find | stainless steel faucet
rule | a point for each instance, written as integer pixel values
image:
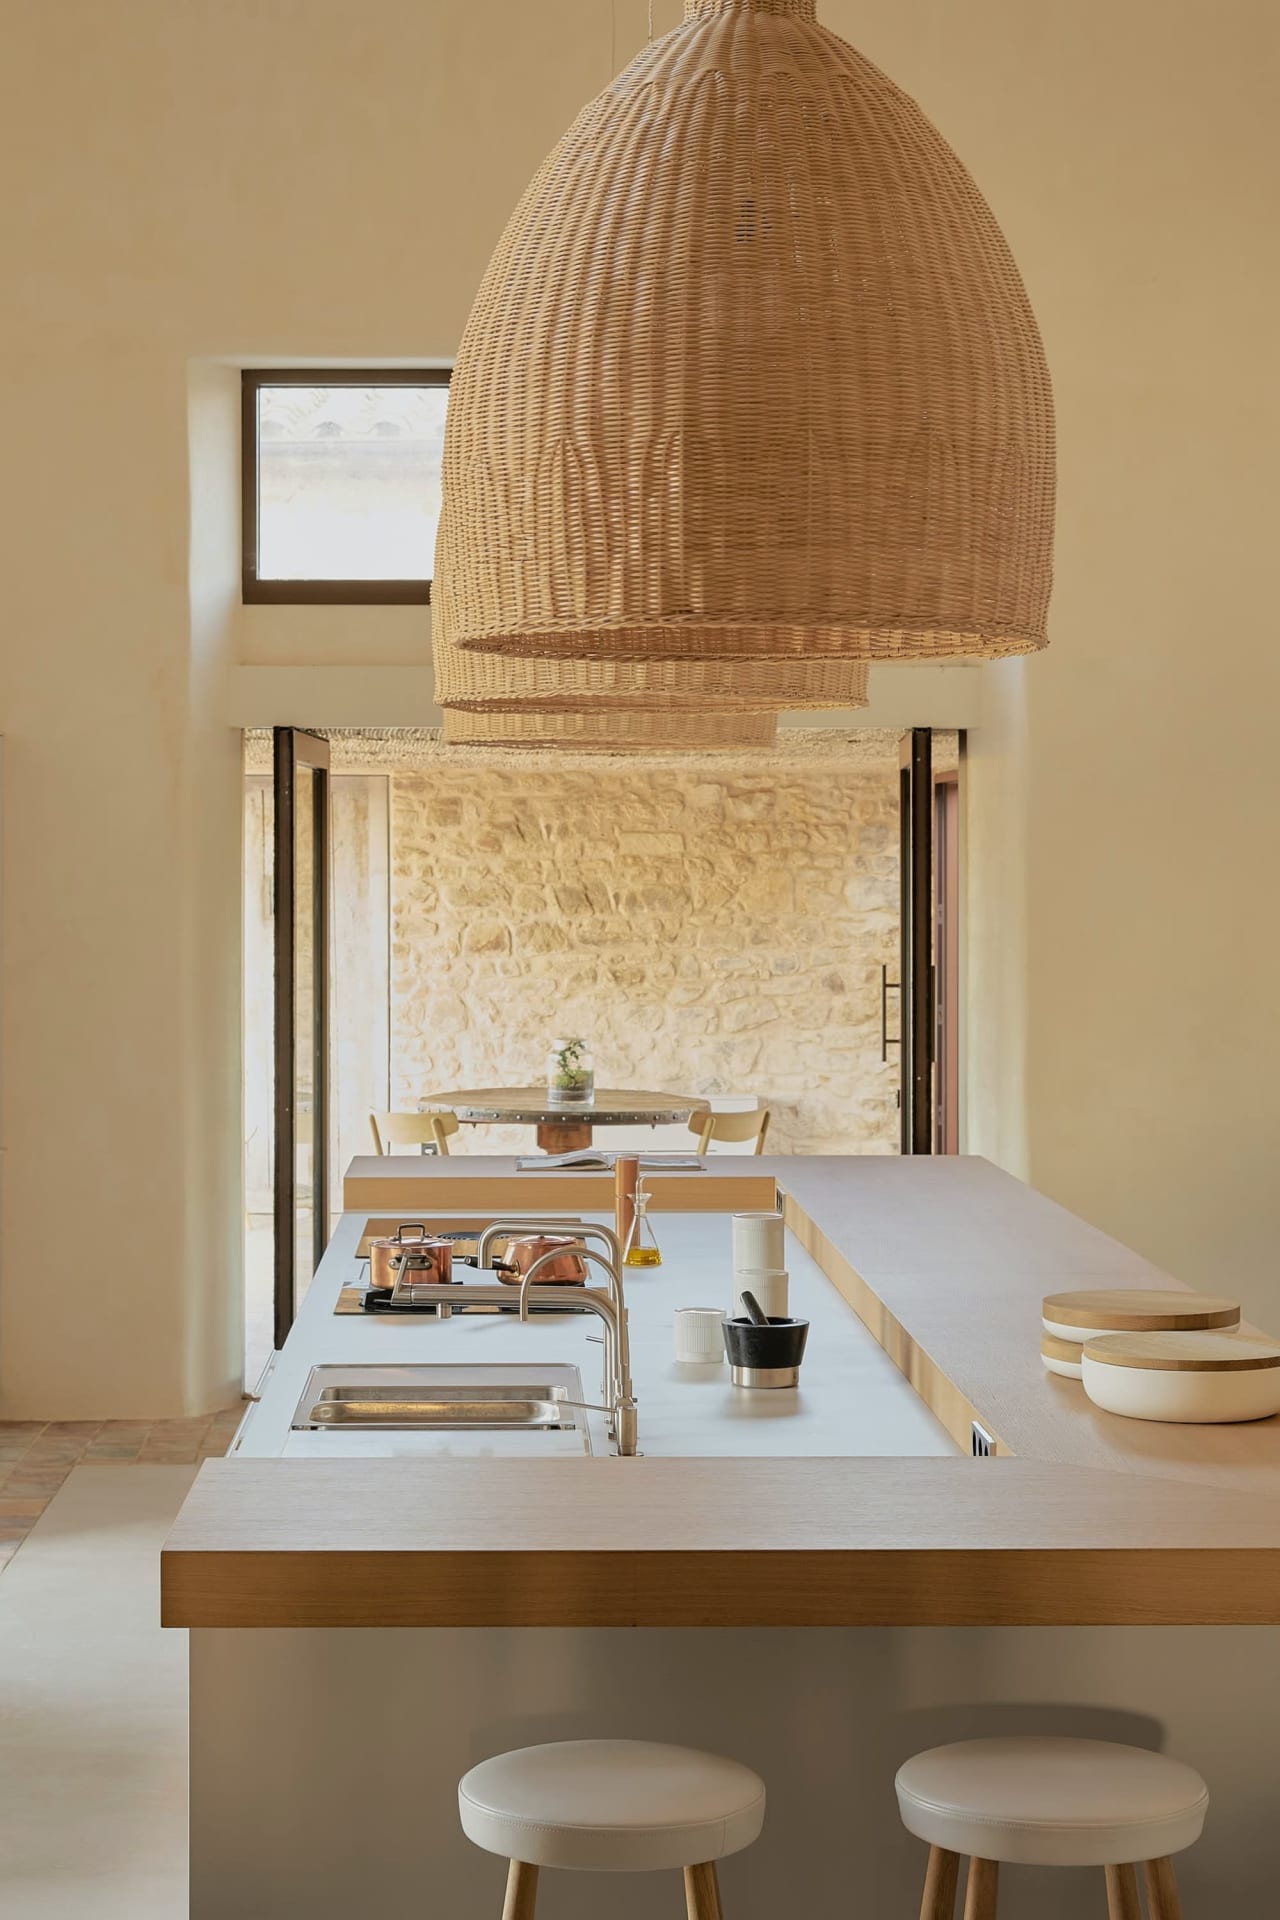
(577, 1230)
(607, 1304)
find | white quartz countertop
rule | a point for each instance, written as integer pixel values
(851, 1400)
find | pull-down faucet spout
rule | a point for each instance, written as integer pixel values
(607, 1303)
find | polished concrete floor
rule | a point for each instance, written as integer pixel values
(93, 1707)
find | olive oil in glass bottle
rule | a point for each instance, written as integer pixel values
(641, 1249)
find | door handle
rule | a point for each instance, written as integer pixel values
(887, 986)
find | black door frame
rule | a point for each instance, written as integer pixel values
(294, 749)
(916, 977)
(946, 961)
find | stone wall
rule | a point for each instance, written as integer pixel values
(708, 928)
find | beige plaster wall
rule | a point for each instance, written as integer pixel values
(262, 180)
(1123, 914)
(186, 183)
(708, 930)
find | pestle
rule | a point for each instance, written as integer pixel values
(755, 1312)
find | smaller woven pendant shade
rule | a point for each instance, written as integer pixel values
(611, 732)
(505, 683)
(751, 375)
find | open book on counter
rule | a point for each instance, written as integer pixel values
(593, 1160)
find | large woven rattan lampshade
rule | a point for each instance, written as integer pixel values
(596, 732)
(506, 683)
(751, 375)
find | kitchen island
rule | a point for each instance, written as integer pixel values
(848, 1511)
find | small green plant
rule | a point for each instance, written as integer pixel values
(571, 1072)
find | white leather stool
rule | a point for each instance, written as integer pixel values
(611, 1806)
(1050, 1803)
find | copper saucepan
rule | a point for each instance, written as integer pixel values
(568, 1269)
(410, 1249)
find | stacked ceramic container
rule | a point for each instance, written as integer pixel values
(1153, 1354)
(1071, 1319)
(1195, 1379)
(759, 1264)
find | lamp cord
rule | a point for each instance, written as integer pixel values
(613, 33)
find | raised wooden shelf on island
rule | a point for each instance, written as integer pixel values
(947, 1260)
(492, 1185)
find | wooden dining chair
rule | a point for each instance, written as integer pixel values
(752, 1125)
(412, 1130)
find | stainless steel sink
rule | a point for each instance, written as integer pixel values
(440, 1399)
(449, 1407)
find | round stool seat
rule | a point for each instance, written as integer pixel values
(611, 1806)
(1052, 1803)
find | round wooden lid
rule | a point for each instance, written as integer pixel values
(1055, 1349)
(1185, 1352)
(1141, 1310)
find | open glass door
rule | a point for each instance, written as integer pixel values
(301, 1016)
(946, 961)
(915, 962)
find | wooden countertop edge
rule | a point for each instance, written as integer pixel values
(872, 1587)
(731, 1542)
(944, 1399)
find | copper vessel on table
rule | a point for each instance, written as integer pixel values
(567, 1269)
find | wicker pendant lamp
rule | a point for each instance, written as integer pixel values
(750, 376)
(505, 683)
(596, 732)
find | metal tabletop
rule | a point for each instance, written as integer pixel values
(608, 1107)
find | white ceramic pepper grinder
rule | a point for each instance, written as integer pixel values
(759, 1264)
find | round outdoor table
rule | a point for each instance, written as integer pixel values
(563, 1129)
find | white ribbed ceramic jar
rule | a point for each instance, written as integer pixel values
(699, 1336)
(1191, 1378)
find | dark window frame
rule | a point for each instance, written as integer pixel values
(333, 593)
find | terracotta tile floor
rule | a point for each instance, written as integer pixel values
(36, 1456)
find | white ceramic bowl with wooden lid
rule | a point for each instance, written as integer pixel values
(1061, 1356)
(1196, 1378)
(1086, 1315)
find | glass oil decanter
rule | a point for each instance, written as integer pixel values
(641, 1249)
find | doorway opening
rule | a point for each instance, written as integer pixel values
(718, 925)
(357, 1054)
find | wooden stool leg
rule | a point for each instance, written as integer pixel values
(941, 1878)
(522, 1891)
(702, 1892)
(1162, 1890)
(1123, 1902)
(981, 1890)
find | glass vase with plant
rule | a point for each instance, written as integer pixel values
(571, 1074)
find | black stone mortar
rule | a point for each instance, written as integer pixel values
(780, 1344)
